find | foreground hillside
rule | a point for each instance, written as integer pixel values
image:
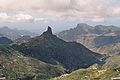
(90, 74)
(14, 65)
(50, 49)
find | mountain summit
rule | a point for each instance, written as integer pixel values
(92, 36)
(50, 49)
(49, 31)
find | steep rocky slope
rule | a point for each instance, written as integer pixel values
(110, 49)
(93, 38)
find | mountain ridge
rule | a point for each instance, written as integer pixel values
(49, 48)
(92, 37)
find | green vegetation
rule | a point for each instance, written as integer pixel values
(90, 74)
(14, 65)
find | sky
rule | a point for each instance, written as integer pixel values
(36, 15)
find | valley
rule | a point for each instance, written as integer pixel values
(49, 57)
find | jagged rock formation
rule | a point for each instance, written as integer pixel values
(50, 49)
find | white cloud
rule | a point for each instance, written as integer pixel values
(23, 17)
(62, 8)
(39, 19)
(116, 11)
(43, 20)
(98, 19)
(4, 17)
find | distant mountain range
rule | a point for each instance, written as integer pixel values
(13, 34)
(22, 39)
(5, 41)
(93, 37)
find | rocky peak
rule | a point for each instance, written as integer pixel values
(84, 27)
(47, 35)
(49, 30)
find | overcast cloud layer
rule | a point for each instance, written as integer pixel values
(29, 10)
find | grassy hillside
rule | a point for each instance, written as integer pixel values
(13, 65)
(90, 74)
(111, 69)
